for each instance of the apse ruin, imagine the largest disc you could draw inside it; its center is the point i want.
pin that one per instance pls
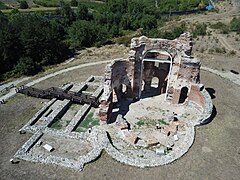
(143, 112)
(168, 61)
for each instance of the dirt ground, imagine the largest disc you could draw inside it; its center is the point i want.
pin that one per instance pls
(214, 154)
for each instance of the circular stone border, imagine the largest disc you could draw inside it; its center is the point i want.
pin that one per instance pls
(102, 141)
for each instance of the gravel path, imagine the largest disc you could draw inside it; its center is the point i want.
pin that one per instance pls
(235, 78)
(228, 75)
(12, 91)
(225, 44)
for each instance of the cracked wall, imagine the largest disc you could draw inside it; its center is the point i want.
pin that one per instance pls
(169, 61)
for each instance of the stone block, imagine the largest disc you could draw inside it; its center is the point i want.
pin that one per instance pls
(48, 148)
(152, 141)
(131, 137)
(160, 151)
(175, 137)
(122, 125)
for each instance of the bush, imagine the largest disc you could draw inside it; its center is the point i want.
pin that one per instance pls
(200, 30)
(23, 5)
(211, 51)
(74, 3)
(235, 24)
(224, 29)
(26, 66)
(3, 6)
(220, 50)
(232, 52)
(148, 22)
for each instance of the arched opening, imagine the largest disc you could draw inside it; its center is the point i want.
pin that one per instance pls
(183, 95)
(143, 85)
(155, 82)
(156, 67)
(124, 88)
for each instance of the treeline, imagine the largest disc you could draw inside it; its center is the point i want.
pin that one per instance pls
(30, 41)
(164, 6)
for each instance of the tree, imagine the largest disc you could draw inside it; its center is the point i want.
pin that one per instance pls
(9, 45)
(148, 22)
(66, 12)
(40, 39)
(23, 5)
(82, 12)
(85, 34)
(26, 66)
(74, 3)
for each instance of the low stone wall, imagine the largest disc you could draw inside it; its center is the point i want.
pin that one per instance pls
(77, 118)
(166, 159)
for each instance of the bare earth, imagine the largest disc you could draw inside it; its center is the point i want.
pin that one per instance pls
(215, 153)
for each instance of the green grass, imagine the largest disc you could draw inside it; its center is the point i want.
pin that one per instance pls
(92, 4)
(162, 121)
(40, 9)
(56, 125)
(55, 3)
(48, 3)
(88, 122)
(150, 122)
(140, 123)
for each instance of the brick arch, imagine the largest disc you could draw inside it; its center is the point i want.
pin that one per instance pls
(173, 52)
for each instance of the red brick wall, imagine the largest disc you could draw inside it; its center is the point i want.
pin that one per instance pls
(196, 96)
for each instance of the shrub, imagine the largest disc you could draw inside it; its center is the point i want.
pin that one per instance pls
(23, 5)
(232, 52)
(74, 3)
(220, 50)
(210, 51)
(26, 66)
(200, 30)
(3, 6)
(235, 24)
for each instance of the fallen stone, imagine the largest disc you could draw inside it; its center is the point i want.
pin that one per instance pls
(152, 141)
(160, 151)
(122, 125)
(39, 143)
(175, 137)
(48, 147)
(13, 161)
(131, 137)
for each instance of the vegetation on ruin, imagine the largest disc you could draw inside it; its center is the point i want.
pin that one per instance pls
(88, 122)
(57, 125)
(145, 121)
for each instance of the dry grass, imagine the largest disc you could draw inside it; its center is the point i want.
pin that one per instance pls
(214, 154)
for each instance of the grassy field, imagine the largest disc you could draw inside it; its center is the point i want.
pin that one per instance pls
(45, 5)
(40, 9)
(49, 5)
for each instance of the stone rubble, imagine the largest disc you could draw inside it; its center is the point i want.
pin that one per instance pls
(178, 80)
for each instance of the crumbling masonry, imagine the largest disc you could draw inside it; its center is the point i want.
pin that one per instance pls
(170, 61)
(149, 106)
